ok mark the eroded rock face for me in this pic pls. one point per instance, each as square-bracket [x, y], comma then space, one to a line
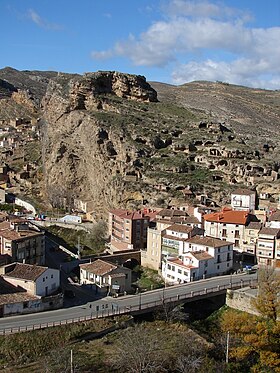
[81, 156]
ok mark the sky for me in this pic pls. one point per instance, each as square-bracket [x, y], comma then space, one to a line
[171, 41]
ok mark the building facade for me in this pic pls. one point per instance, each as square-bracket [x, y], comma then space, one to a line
[243, 200]
[22, 243]
[130, 227]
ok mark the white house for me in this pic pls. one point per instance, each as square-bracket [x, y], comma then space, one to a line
[186, 268]
[107, 277]
[243, 200]
[36, 280]
[203, 257]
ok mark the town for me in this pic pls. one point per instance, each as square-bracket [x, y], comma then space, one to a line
[181, 244]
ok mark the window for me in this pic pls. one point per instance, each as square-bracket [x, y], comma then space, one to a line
[227, 264]
[207, 249]
[43, 279]
[218, 267]
[173, 268]
[168, 266]
[179, 271]
[25, 304]
[224, 233]
[51, 276]
[236, 243]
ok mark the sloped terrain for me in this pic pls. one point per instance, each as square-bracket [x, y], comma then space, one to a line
[114, 139]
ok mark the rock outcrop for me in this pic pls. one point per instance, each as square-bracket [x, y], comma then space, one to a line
[84, 155]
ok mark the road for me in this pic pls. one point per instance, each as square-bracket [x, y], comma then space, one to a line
[108, 305]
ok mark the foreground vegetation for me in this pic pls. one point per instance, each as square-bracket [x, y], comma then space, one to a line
[155, 346]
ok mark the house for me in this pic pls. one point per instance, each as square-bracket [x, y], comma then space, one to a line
[175, 236]
[22, 242]
[268, 246]
[26, 288]
[130, 226]
[36, 280]
[243, 200]
[15, 300]
[220, 250]
[251, 235]
[206, 257]
[165, 238]
[274, 220]
[108, 278]
[229, 225]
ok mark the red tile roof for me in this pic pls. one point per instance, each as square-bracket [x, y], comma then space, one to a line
[228, 216]
[201, 255]
[180, 263]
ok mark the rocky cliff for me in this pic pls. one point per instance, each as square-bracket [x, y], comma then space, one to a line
[87, 147]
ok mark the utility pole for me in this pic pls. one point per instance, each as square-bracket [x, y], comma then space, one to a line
[227, 348]
[71, 361]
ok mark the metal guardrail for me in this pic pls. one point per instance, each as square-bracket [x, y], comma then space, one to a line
[108, 312]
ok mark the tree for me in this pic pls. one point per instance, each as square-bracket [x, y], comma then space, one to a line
[140, 350]
[267, 301]
[254, 341]
[98, 235]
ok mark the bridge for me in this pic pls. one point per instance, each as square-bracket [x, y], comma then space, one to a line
[131, 304]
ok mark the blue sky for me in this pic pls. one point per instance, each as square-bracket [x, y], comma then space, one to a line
[172, 41]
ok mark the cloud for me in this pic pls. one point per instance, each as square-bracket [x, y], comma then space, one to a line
[245, 72]
[191, 30]
[39, 21]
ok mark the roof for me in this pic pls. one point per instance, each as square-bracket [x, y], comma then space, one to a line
[16, 298]
[26, 272]
[171, 213]
[208, 241]
[135, 215]
[270, 231]
[99, 267]
[275, 216]
[254, 225]
[120, 246]
[201, 255]
[180, 228]
[174, 238]
[244, 192]
[180, 263]
[228, 216]
[10, 233]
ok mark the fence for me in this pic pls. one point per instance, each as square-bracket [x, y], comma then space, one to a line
[141, 307]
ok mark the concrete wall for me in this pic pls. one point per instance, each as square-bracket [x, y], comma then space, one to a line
[26, 205]
[241, 300]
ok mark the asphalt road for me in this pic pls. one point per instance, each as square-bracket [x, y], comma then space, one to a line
[123, 304]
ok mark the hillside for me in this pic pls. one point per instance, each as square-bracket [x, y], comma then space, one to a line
[117, 140]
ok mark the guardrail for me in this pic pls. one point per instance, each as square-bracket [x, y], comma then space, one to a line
[141, 307]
